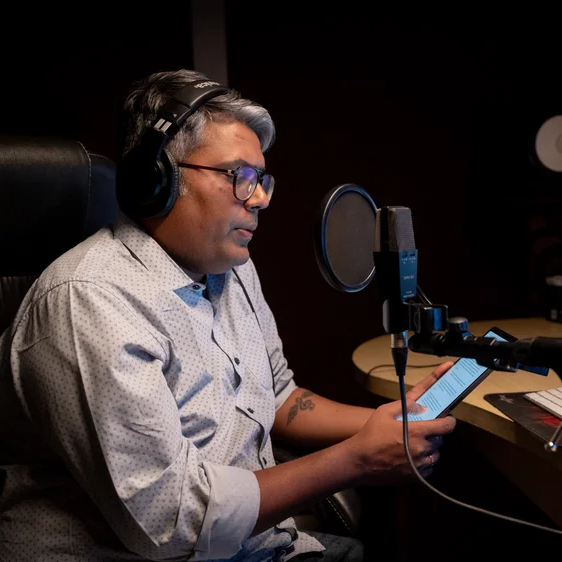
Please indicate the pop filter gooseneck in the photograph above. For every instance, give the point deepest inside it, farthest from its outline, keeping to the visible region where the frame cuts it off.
(344, 234)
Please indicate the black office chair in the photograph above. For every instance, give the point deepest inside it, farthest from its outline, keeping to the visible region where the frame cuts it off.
(53, 194)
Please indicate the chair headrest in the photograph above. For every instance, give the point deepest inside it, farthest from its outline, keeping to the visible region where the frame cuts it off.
(53, 194)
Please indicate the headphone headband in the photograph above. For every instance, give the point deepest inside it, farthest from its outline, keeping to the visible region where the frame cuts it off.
(173, 114)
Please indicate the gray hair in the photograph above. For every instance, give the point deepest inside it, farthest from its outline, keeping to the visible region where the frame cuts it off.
(154, 91)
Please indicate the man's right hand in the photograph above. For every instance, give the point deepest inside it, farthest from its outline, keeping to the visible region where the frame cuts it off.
(374, 455)
(380, 445)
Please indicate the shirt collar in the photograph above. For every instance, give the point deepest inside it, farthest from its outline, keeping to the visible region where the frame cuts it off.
(149, 253)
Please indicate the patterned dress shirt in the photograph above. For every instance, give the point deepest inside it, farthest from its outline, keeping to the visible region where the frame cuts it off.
(135, 406)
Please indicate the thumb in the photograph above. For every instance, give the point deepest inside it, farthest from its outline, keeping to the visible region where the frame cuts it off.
(411, 406)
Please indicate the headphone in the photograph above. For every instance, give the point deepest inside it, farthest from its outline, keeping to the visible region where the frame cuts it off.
(147, 179)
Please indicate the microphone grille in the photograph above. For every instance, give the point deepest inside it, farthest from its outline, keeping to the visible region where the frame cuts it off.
(394, 230)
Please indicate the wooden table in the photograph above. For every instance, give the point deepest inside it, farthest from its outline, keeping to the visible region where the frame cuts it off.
(511, 448)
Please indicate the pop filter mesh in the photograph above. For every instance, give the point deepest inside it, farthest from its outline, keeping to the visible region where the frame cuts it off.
(349, 238)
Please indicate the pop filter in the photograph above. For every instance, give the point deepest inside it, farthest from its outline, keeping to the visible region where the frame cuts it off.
(344, 238)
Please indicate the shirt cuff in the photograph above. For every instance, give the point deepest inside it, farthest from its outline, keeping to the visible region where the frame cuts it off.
(232, 512)
(284, 394)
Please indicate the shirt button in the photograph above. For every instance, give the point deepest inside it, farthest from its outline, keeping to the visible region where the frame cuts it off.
(264, 461)
(250, 410)
(237, 361)
(196, 287)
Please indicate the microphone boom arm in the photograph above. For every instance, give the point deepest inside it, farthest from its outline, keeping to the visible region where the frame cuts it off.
(435, 334)
(492, 353)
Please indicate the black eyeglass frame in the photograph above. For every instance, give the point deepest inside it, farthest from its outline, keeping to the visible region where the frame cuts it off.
(260, 175)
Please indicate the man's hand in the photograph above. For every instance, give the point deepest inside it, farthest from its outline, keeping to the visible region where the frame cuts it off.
(415, 392)
(367, 449)
(380, 447)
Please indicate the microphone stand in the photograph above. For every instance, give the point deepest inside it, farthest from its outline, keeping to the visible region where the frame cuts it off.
(436, 334)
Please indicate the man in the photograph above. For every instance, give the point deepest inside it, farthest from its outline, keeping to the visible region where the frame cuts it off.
(143, 375)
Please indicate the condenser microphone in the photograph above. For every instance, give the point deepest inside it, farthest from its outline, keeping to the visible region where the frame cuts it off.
(346, 226)
(396, 262)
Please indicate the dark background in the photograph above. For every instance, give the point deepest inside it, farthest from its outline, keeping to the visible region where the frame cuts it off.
(428, 116)
(441, 121)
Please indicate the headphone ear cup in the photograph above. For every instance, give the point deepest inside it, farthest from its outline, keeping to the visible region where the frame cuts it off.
(148, 178)
(172, 173)
(147, 188)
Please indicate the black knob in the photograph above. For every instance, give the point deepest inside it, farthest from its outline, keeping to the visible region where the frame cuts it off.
(458, 324)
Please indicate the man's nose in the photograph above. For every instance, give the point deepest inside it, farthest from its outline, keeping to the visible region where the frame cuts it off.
(259, 199)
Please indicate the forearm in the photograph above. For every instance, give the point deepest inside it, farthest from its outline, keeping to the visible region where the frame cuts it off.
(312, 421)
(288, 488)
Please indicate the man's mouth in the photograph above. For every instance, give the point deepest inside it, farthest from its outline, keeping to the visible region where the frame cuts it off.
(249, 228)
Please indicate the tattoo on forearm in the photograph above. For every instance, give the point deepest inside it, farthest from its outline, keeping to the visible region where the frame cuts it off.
(301, 404)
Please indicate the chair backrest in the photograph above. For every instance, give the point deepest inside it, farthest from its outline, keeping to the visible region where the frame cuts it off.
(53, 194)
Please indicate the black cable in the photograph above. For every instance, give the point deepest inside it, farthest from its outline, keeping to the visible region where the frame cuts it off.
(400, 358)
(423, 297)
(453, 500)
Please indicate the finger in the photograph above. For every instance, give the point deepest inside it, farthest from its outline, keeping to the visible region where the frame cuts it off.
(427, 463)
(426, 472)
(430, 460)
(415, 392)
(435, 440)
(437, 427)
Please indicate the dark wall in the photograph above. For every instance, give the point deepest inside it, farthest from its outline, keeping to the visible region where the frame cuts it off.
(439, 121)
(72, 80)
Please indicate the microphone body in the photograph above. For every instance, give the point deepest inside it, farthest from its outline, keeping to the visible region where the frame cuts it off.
(396, 263)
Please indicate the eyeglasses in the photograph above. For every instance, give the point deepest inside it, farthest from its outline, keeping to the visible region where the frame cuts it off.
(246, 179)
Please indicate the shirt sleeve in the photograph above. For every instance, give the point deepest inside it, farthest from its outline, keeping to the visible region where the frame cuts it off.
(90, 372)
(283, 376)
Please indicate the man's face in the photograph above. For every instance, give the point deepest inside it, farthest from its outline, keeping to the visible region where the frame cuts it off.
(208, 230)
